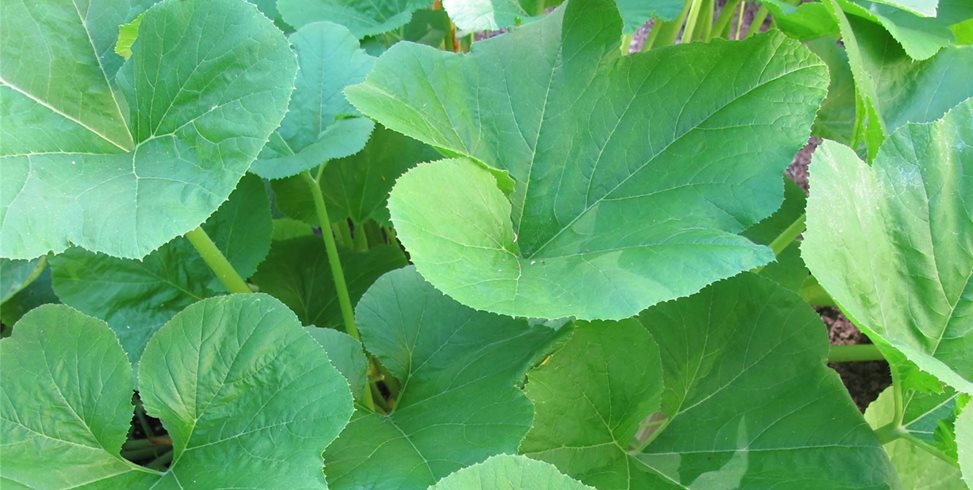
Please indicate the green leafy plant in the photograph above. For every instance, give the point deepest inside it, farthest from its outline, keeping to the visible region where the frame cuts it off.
(492, 244)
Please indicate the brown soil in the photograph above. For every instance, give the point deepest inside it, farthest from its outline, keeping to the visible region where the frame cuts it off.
(864, 380)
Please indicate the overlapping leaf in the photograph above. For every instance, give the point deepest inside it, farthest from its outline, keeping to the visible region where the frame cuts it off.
(893, 242)
(361, 17)
(15, 275)
(920, 36)
(297, 272)
(320, 124)
(346, 354)
(458, 403)
(917, 469)
(169, 135)
(614, 207)
(735, 343)
(508, 472)
(136, 297)
(248, 398)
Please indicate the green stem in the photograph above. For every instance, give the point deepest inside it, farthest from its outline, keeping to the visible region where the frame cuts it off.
(854, 353)
(758, 21)
(141, 453)
(217, 261)
(670, 30)
(814, 294)
(705, 22)
(344, 299)
(373, 232)
(889, 432)
(343, 234)
(143, 422)
(161, 462)
(361, 240)
(687, 33)
(894, 431)
(743, 8)
(726, 15)
(789, 234)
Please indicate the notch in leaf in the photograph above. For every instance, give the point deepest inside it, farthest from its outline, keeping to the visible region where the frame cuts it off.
(633, 175)
(248, 397)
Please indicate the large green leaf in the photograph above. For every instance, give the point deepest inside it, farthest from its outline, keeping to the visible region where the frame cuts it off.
(361, 17)
(615, 208)
(248, 398)
(458, 403)
(748, 401)
(136, 297)
(316, 128)
(917, 469)
(123, 168)
(892, 242)
(297, 273)
(357, 187)
(509, 472)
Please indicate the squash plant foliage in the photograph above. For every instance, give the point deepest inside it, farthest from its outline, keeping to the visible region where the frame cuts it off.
(406, 244)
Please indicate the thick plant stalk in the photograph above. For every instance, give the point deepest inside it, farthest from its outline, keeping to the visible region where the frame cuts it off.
(687, 33)
(216, 261)
(854, 353)
(337, 273)
(789, 234)
(722, 24)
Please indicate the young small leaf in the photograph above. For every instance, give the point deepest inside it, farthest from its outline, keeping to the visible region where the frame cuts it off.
(916, 468)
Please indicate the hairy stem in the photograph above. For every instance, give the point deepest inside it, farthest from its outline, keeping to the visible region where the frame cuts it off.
(854, 353)
(216, 261)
